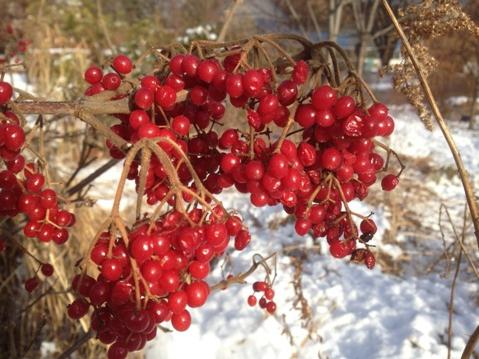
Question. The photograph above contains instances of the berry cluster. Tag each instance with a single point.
(22, 188)
(266, 301)
(313, 172)
(152, 276)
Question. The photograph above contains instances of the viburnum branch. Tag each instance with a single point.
(241, 278)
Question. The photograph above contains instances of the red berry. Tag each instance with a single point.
(323, 98)
(287, 92)
(189, 65)
(269, 293)
(31, 284)
(144, 98)
(368, 226)
(331, 158)
(242, 240)
(117, 351)
(111, 81)
(234, 85)
(122, 64)
(165, 97)
(93, 75)
(305, 115)
(271, 307)
(111, 269)
(389, 182)
(77, 309)
(252, 300)
(138, 118)
(300, 72)
(207, 70)
(197, 293)
(177, 301)
(254, 170)
(181, 125)
(344, 107)
(339, 249)
(6, 92)
(47, 269)
(259, 286)
(181, 321)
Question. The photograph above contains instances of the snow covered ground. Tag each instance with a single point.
(356, 313)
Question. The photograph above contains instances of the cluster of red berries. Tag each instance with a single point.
(22, 188)
(313, 178)
(164, 269)
(17, 43)
(32, 283)
(266, 301)
(334, 163)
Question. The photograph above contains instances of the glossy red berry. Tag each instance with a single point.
(389, 182)
(93, 75)
(144, 98)
(181, 321)
(331, 158)
(6, 92)
(323, 98)
(122, 64)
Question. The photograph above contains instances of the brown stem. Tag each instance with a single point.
(466, 182)
(240, 278)
(82, 340)
(145, 165)
(471, 344)
(70, 108)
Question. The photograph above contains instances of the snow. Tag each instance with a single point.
(357, 313)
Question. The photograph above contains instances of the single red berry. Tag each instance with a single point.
(111, 269)
(368, 226)
(111, 81)
(197, 293)
(344, 107)
(177, 301)
(122, 64)
(252, 301)
(6, 92)
(207, 70)
(300, 72)
(271, 307)
(269, 293)
(181, 321)
(259, 286)
(242, 239)
(77, 309)
(93, 75)
(305, 115)
(181, 125)
(165, 97)
(47, 269)
(31, 284)
(323, 98)
(144, 98)
(331, 158)
(389, 182)
(287, 92)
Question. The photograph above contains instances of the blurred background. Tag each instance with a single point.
(327, 308)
